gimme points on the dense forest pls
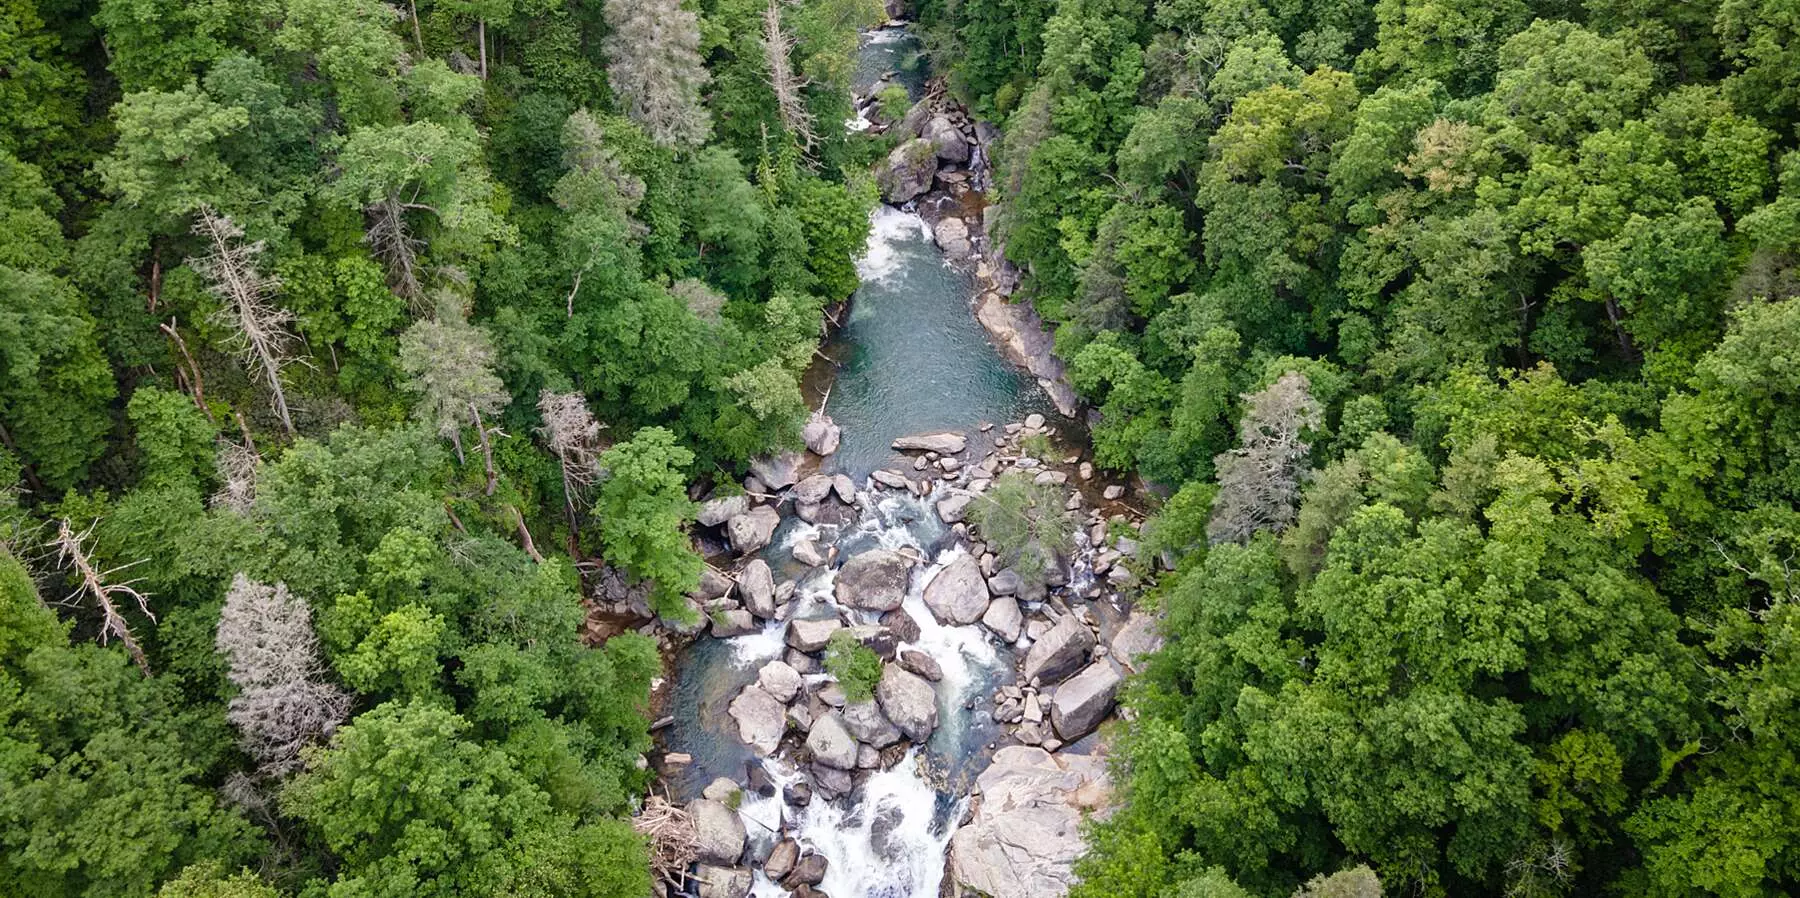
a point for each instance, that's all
(342, 343)
(1465, 336)
(348, 346)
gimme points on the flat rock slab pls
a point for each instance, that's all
(944, 442)
(1084, 700)
(1026, 835)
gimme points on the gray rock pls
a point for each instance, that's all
(692, 621)
(908, 171)
(810, 871)
(807, 552)
(1084, 700)
(844, 487)
(922, 664)
(958, 595)
(781, 680)
(813, 490)
(953, 509)
(801, 661)
(799, 794)
(733, 622)
(821, 435)
(1137, 638)
(761, 719)
(721, 790)
(1059, 652)
(756, 583)
(944, 442)
(1112, 493)
(865, 721)
(1005, 583)
(714, 512)
(901, 624)
(777, 471)
(811, 635)
(1004, 618)
(781, 859)
(712, 585)
(831, 781)
(723, 882)
(891, 480)
(751, 531)
(718, 831)
(908, 701)
(913, 123)
(831, 744)
(1026, 834)
(952, 236)
(947, 140)
(875, 580)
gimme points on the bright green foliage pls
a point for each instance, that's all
(855, 666)
(643, 508)
(209, 880)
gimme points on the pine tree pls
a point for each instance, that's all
(1259, 482)
(656, 68)
(450, 366)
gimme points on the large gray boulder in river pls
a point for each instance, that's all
(943, 442)
(908, 171)
(777, 471)
(821, 435)
(958, 595)
(1058, 652)
(756, 583)
(761, 719)
(831, 744)
(1084, 700)
(908, 701)
(1026, 834)
(874, 580)
(753, 529)
(947, 139)
(718, 831)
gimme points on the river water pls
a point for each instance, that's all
(909, 358)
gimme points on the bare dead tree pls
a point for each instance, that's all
(656, 69)
(258, 324)
(391, 242)
(284, 702)
(1259, 482)
(236, 466)
(450, 366)
(92, 583)
(573, 434)
(778, 49)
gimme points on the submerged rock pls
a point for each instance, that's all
(944, 442)
(875, 580)
(1026, 835)
(1084, 700)
(958, 595)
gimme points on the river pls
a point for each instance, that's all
(910, 357)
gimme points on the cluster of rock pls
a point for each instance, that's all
(723, 846)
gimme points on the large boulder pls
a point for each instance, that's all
(778, 471)
(808, 553)
(712, 585)
(810, 871)
(865, 721)
(811, 635)
(953, 509)
(714, 512)
(922, 664)
(947, 140)
(821, 435)
(943, 442)
(723, 882)
(1084, 700)
(718, 832)
(731, 622)
(756, 583)
(958, 595)
(752, 530)
(781, 680)
(875, 580)
(781, 859)
(1026, 834)
(761, 718)
(1136, 639)
(831, 744)
(908, 701)
(1004, 618)
(908, 171)
(813, 490)
(952, 236)
(1059, 652)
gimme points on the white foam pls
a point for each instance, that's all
(889, 230)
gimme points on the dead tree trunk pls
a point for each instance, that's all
(92, 583)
